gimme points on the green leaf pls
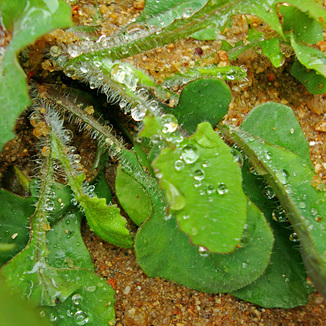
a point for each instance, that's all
(202, 100)
(314, 82)
(311, 58)
(133, 197)
(303, 27)
(283, 283)
(168, 253)
(10, 305)
(208, 34)
(203, 187)
(66, 245)
(271, 48)
(27, 21)
(294, 183)
(106, 221)
(14, 222)
(67, 295)
(165, 12)
(277, 124)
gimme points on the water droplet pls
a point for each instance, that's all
(167, 217)
(269, 192)
(268, 155)
(189, 154)
(244, 265)
(282, 176)
(210, 189)
(73, 50)
(67, 134)
(123, 105)
(55, 51)
(138, 112)
(185, 216)
(176, 199)
(203, 252)
(292, 131)
(179, 165)
(199, 175)
(222, 189)
(197, 184)
(83, 69)
(193, 231)
(187, 12)
(74, 201)
(170, 123)
(302, 205)
(279, 215)
(81, 317)
(294, 237)
(52, 317)
(76, 299)
(49, 205)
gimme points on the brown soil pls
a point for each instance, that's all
(145, 301)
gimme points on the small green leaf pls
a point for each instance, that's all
(106, 221)
(311, 58)
(303, 27)
(271, 48)
(133, 197)
(314, 82)
(27, 21)
(202, 100)
(203, 186)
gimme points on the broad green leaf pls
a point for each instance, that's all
(314, 82)
(203, 187)
(311, 58)
(296, 186)
(133, 197)
(277, 124)
(15, 212)
(27, 21)
(303, 27)
(202, 100)
(283, 283)
(168, 253)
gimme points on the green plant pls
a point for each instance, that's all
(213, 217)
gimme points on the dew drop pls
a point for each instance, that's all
(179, 165)
(268, 155)
(185, 217)
(170, 123)
(91, 288)
(193, 231)
(244, 265)
(282, 175)
(55, 51)
(76, 299)
(222, 189)
(199, 175)
(81, 317)
(197, 184)
(210, 189)
(269, 192)
(67, 134)
(203, 252)
(294, 237)
(189, 155)
(74, 201)
(187, 12)
(167, 217)
(302, 205)
(138, 112)
(49, 205)
(292, 131)
(279, 215)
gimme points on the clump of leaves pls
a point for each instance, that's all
(212, 217)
